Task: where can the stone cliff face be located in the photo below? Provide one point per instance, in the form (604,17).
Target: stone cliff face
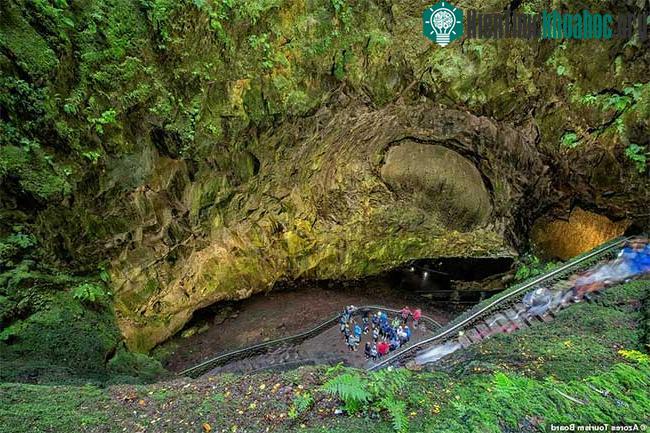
(338,196)
(203,151)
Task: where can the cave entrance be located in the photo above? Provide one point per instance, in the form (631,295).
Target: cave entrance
(293,307)
(457,280)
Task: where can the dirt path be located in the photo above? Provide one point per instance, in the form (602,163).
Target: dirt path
(282,313)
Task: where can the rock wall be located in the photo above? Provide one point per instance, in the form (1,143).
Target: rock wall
(325,212)
(581,231)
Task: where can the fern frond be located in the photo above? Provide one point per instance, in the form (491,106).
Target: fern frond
(350,388)
(397,411)
(390,381)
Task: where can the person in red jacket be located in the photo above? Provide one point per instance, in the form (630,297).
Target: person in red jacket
(406,312)
(382,348)
(417,313)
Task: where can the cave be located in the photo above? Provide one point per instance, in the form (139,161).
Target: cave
(183,179)
(446,285)
(457,280)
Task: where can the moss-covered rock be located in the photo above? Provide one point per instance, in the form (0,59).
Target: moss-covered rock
(441,179)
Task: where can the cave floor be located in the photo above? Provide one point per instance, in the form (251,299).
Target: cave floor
(329,347)
(229,326)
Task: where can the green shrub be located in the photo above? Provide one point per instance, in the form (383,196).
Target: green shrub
(301,404)
(351,388)
(638,155)
(91,293)
(130,364)
(14,246)
(531,266)
(570,140)
(397,412)
(382,390)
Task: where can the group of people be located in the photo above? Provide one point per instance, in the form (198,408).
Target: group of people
(386,335)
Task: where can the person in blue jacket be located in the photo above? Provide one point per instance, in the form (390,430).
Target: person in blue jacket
(394,343)
(357,331)
(636,256)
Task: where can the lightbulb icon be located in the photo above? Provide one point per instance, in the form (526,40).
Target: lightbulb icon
(444,21)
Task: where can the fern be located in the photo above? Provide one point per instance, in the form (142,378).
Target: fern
(302,402)
(90,293)
(351,389)
(635,355)
(637,154)
(397,411)
(570,140)
(389,381)
(380,391)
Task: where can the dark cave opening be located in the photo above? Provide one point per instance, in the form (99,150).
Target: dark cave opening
(442,287)
(455,280)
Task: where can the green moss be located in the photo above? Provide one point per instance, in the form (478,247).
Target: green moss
(35,175)
(30,50)
(53,332)
(125,365)
(55,409)
(490,404)
(60,337)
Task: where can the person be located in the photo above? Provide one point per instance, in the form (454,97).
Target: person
(394,343)
(345,316)
(368,350)
(406,312)
(382,348)
(375,319)
(357,330)
(538,301)
(346,331)
(637,256)
(375,334)
(385,329)
(401,337)
(373,352)
(407,331)
(395,322)
(342,323)
(353,342)
(417,314)
(383,318)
